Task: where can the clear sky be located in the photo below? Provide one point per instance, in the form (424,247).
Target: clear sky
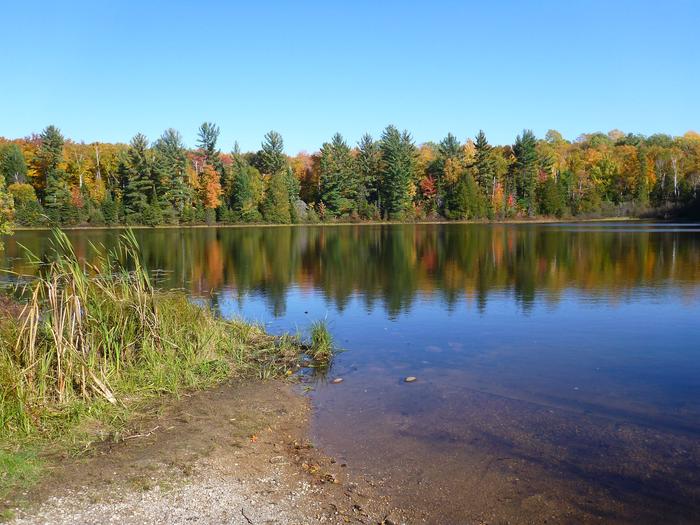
(107,70)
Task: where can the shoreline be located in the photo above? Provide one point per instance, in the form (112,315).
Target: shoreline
(236,453)
(333,224)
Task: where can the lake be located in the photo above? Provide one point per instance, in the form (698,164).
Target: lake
(557,365)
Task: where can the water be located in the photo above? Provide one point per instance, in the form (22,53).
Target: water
(558,365)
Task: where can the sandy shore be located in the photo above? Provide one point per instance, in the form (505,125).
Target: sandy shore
(235,454)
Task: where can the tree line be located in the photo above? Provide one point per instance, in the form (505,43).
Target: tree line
(46,179)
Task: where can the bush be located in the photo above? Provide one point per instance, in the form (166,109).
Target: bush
(152,215)
(109,210)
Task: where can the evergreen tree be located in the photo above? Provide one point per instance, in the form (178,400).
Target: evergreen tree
(398,170)
(525,169)
(272,157)
(13,167)
(466,201)
(243,201)
(207,137)
(273,163)
(48,162)
(170,166)
(139,191)
(450,147)
(109,210)
(484,169)
(338,178)
(276,207)
(369,169)
(551,198)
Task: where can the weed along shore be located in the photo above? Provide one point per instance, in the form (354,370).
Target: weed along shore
(123,403)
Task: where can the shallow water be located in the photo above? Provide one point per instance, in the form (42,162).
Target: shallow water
(558,365)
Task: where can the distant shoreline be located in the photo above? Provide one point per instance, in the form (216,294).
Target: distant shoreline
(357,223)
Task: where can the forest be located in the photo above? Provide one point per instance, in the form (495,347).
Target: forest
(49,180)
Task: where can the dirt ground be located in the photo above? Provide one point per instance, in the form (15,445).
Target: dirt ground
(235,454)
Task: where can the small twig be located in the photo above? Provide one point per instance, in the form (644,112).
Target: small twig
(142,435)
(246,517)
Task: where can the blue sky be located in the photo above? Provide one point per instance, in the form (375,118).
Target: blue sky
(107,70)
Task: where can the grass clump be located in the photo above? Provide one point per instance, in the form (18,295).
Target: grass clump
(321,349)
(17,470)
(90,341)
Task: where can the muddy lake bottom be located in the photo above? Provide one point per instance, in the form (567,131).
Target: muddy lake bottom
(557,365)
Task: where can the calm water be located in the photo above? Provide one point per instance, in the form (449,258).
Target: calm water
(558,366)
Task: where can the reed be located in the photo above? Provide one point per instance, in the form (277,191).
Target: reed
(93,339)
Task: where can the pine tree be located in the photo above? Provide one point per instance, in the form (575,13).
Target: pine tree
(338,177)
(484,169)
(398,170)
(368,165)
(109,209)
(272,158)
(282,181)
(525,169)
(139,191)
(49,158)
(243,201)
(276,208)
(13,167)
(170,167)
(207,137)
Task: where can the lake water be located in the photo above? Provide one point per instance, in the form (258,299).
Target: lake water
(557,365)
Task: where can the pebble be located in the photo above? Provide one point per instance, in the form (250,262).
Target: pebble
(337,380)
(410,379)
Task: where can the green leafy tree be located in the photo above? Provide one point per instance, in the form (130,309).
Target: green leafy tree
(6,211)
(28,210)
(551,198)
(398,171)
(642,189)
(338,178)
(467,200)
(13,167)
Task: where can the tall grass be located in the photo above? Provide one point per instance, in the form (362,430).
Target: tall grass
(93,336)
